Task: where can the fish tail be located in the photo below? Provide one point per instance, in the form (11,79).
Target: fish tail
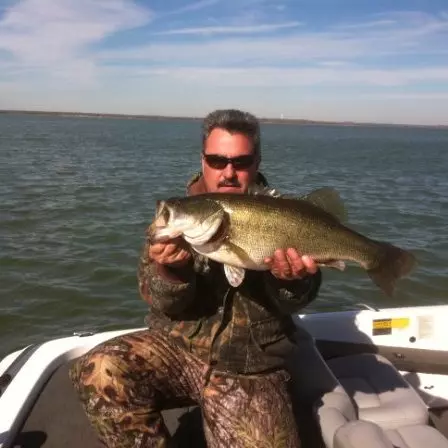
(394,263)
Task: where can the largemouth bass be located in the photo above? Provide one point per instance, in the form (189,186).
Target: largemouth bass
(241,230)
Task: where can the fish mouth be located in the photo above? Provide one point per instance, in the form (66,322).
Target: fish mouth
(162,234)
(160,231)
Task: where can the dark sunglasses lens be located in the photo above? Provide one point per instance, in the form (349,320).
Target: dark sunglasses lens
(220,162)
(216,162)
(243,162)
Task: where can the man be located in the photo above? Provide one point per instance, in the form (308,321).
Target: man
(221,347)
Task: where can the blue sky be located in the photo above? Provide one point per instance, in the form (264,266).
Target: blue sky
(359,60)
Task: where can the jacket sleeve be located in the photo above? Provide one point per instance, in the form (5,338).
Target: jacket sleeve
(169,290)
(293,295)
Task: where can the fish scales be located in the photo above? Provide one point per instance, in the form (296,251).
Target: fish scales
(242,230)
(260,227)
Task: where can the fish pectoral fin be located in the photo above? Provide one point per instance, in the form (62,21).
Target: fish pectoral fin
(335,264)
(327,199)
(204,232)
(234,275)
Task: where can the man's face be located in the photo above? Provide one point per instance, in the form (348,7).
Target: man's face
(223,177)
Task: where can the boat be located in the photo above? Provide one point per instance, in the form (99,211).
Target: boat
(376,378)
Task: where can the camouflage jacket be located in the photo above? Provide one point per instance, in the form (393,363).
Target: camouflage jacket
(243,330)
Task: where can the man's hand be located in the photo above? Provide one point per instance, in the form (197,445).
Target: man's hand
(172,253)
(290,265)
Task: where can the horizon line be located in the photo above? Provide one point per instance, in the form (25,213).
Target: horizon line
(265,120)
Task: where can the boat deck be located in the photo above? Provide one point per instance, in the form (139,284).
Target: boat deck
(58,420)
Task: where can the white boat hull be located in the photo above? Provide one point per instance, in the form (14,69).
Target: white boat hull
(410,337)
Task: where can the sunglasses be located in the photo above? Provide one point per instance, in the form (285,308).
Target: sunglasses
(218,162)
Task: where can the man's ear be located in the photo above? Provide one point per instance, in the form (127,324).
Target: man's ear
(202,163)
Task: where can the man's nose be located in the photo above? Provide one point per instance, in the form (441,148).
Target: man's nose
(229,171)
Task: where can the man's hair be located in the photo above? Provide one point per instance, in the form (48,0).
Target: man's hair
(233,121)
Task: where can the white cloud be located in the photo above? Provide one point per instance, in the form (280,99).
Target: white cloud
(291,77)
(410,36)
(409,29)
(230,51)
(46,40)
(409,96)
(232,29)
(56,35)
(332,63)
(364,25)
(59,36)
(195,6)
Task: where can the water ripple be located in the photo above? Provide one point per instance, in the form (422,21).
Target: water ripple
(77,194)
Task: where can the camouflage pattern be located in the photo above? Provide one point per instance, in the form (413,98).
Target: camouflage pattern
(221,347)
(248,329)
(124,383)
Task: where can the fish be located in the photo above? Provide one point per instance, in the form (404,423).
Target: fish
(241,230)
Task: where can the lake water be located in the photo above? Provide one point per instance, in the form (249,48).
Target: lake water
(77,193)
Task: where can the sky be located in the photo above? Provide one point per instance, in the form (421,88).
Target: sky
(349,60)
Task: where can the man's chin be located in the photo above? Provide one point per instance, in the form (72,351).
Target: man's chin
(230,190)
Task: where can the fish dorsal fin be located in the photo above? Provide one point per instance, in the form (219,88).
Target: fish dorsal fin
(327,199)
(263,191)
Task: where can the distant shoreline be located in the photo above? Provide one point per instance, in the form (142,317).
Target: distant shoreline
(183,118)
